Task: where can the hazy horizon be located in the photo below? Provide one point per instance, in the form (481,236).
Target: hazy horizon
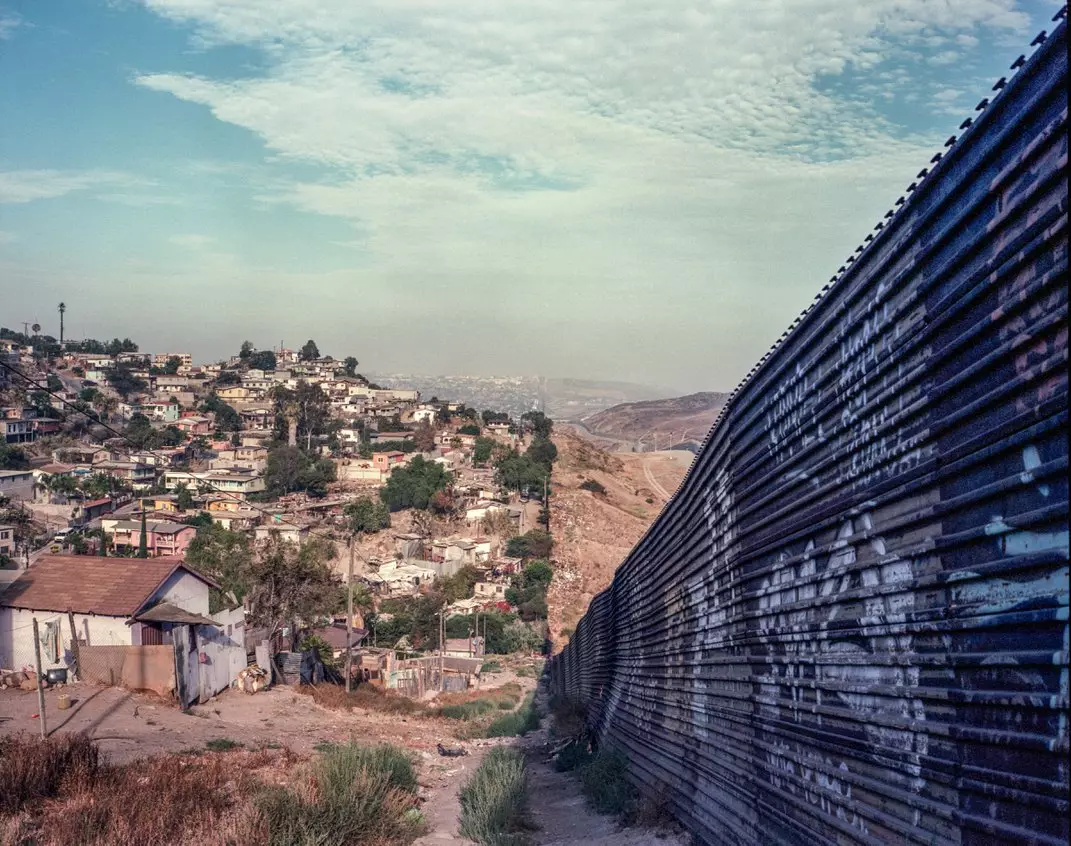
(605,191)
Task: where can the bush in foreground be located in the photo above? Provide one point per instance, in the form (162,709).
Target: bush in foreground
(605,782)
(494,802)
(358,794)
(31,769)
(516,723)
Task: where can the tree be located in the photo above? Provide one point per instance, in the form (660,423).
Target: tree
(290,469)
(121,377)
(424,437)
(414,486)
(366,516)
(262,360)
(309,352)
(183,497)
(461,584)
(292,585)
(481,453)
(228,377)
(143,542)
(538,422)
(246,351)
(543,451)
(535,543)
(307,406)
(225,557)
(528,590)
(12,457)
(469,429)
(494,417)
(349,366)
(227,419)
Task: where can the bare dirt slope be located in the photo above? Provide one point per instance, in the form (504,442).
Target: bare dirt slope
(671,421)
(594,532)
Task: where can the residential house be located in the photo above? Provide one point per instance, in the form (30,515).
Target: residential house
(171,384)
(238,482)
(17,425)
(284,531)
(98,362)
(482,509)
(136,474)
(93,508)
(239,393)
(490,591)
(260,417)
(394,579)
(16,484)
(463,647)
(113,602)
(261,383)
(195,425)
(360,470)
(236,521)
(161,359)
(7,541)
(425,414)
(249,457)
(162,537)
(385,462)
(380,437)
(499,427)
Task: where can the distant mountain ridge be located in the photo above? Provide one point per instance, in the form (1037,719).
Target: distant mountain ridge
(660,423)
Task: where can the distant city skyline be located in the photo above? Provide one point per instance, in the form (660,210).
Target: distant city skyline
(604,191)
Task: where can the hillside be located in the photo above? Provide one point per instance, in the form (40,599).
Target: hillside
(594,532)
(663,422)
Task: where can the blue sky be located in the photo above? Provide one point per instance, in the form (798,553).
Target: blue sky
(604,189)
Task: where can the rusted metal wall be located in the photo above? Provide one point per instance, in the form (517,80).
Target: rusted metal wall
(850,625)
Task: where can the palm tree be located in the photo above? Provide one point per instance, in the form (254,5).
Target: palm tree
(62,309)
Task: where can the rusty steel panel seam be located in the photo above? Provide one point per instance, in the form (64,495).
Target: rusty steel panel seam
(850,623)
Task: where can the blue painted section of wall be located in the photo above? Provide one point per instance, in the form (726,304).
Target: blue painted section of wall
(850,625)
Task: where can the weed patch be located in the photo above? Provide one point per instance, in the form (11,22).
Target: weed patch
(222,744)
(365,696)
(605,783)
(358,794)
(516,723)
(32,769)
(494,802)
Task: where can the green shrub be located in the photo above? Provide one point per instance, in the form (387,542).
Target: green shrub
(593,486)
(494,802)
(572,757)
(362,794)
(605,782)
(222,744)
(491,667)
(516,723)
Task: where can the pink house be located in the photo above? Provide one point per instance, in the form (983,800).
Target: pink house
(161,538)
(194,425)
(385,461)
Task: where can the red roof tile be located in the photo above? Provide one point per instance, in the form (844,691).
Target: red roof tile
(88,584)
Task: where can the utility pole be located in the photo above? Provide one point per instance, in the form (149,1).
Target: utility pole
(349,616)
(442,629)
(40,681)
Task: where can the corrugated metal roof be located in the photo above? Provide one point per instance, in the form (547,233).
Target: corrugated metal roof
(86,584)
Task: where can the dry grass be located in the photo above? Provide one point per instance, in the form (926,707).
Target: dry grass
(365,696)
(169,800)
(60,792)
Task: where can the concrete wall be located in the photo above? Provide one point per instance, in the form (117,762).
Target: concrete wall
(133,667)
(850,624)
(16,635)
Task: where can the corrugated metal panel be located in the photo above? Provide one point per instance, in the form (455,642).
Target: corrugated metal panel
(850,625)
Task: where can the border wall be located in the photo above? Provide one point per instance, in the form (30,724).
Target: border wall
(850,624)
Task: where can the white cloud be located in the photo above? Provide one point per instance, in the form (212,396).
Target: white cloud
(192,241)
(25,186)
(9,22)
(8,237)
(609,157)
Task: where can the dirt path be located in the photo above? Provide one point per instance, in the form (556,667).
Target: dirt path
(658,489)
